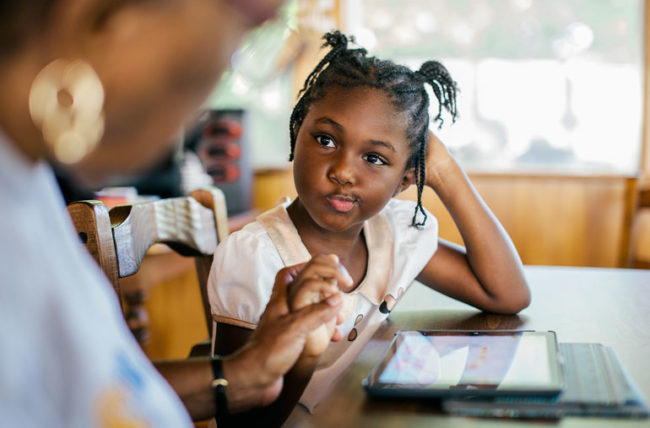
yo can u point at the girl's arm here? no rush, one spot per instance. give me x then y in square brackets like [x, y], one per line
[487, 273]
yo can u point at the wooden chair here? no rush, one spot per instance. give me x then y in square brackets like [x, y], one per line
[637, 202]
[119, 239]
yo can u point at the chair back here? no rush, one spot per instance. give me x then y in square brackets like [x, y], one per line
[119, 239]
[638, 202]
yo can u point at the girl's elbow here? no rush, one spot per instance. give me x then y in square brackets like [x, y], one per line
[514, 303]
[518, 303]
[521, 304]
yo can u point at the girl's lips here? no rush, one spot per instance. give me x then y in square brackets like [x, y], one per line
[341, 204]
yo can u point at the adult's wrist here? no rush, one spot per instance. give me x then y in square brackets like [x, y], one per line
[219, 388]
[249, 383]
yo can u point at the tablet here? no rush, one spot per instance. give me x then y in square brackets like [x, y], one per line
[442, 363]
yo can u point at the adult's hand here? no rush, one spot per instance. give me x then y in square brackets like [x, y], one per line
[255, 373]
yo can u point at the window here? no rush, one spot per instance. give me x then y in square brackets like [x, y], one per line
[260, 82]
[545, 86]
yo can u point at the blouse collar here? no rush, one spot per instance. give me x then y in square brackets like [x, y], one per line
[379, 241]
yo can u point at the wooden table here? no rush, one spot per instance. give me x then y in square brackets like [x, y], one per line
[609, 306]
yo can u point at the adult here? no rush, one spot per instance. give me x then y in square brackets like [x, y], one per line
[97, 87]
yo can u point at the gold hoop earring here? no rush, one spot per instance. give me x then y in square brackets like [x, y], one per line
[66, 102]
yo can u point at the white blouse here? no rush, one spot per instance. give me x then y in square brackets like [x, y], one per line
[245, 265]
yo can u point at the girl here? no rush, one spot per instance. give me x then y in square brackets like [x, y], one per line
[359, 137]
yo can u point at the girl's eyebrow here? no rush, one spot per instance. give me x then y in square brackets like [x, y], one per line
[340, 127]
[329, 121]
[383, 144]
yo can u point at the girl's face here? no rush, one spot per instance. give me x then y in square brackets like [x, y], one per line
[350, 157]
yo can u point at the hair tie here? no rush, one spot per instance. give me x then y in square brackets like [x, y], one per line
[444, 87]
[420, 77]
[336, 40]
[433, 70]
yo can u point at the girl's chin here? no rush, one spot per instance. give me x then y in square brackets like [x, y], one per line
[338, 225]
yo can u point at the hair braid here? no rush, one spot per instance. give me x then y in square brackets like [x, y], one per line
[339, 44]
[420, 174]
[443, 86]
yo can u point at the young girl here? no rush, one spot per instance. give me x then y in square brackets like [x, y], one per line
[359, 137]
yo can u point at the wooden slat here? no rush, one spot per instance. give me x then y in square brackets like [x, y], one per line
[640, 205]
[120, 238]
[182, 223]
[644, 198]
[629, 214]
[215, 200]
[91, 219]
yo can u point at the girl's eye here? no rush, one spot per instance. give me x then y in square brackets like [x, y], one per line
[375, 159]
[324, 140]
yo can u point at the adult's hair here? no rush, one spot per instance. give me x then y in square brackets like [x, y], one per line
[18, 20]
[348, 68]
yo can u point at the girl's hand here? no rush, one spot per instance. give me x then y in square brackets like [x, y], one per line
[315, 281]
[439, 161]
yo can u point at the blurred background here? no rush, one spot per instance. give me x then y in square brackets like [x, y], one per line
[552, 127]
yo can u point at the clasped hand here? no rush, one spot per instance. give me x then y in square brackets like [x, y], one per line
[299, 321]
[315, 281]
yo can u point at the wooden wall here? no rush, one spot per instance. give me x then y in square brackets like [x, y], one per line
[573, 221]
[553, 220]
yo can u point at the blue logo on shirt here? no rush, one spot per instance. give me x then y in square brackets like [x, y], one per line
[128, 372]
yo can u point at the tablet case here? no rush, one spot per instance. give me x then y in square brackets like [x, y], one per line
[596, 385]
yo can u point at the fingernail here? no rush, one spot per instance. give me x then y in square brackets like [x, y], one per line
[334, 257]
[334, 300]
[347, 276]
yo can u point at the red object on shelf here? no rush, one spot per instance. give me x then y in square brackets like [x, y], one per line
[223, 172]
[214, 148]
[222, 151]
[220, 127]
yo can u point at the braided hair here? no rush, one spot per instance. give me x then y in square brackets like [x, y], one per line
[348, 68]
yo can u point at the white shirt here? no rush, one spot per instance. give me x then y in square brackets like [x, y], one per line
[67, 358]
[245, 264]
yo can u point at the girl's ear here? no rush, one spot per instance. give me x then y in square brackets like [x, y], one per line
[407, 179]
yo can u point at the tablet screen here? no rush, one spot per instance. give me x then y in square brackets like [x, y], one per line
[457, 362]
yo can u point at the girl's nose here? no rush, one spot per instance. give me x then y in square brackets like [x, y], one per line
[342, 171]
